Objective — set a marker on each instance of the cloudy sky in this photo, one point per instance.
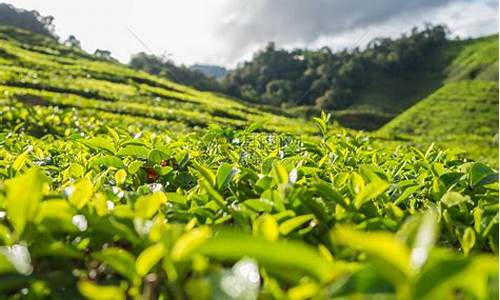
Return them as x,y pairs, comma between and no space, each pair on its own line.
226,32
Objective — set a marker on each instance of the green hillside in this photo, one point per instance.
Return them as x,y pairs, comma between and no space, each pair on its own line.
116,184
36,70
387,95
463,113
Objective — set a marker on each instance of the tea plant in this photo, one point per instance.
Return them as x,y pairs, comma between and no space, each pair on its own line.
110,213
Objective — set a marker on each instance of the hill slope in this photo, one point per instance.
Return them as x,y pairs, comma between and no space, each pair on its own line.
462,115
386,95
37,70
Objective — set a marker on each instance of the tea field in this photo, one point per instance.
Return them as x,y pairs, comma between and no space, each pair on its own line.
115,184
462,116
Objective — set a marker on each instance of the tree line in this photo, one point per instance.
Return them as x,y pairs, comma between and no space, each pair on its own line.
301,77
325,79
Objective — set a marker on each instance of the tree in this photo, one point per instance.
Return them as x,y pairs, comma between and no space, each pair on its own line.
73,42
28,20
165,67
103,54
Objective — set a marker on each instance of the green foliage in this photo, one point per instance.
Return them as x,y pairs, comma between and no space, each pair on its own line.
106,193
162,66
29,20
315,217
329,80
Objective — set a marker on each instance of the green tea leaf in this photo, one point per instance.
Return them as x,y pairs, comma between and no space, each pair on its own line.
224,175
189,243
99,143
100,292
134,151
454,198
147,206
468,240
24,194
80,193
120,260
149,258
481,174
280,173
120,176
294,223
371,191
389,254
275,255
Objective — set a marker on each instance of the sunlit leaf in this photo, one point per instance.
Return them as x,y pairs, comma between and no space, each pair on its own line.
24,194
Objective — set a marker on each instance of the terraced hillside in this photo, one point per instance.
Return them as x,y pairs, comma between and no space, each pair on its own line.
36,70
386,96
461,115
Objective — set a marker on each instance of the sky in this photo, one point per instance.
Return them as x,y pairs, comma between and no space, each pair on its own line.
227,32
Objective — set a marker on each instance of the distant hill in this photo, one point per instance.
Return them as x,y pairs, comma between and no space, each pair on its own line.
462,115
364,89
210,70
386,95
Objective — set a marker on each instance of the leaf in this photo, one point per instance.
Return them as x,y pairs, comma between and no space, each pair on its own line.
294,223
481,174
213,194
24,194
356,183
76,170
135,166
100,292
147,206
81,193
107,161
468,240
157,156
267,228
99,143
224,175
120,176
20,161
206,173
120,260
454,198
189,243
446,273
59,212
425,238
329,194
389,254
406,193
279,256
134,151
371,191
279,172
149,258
6,266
